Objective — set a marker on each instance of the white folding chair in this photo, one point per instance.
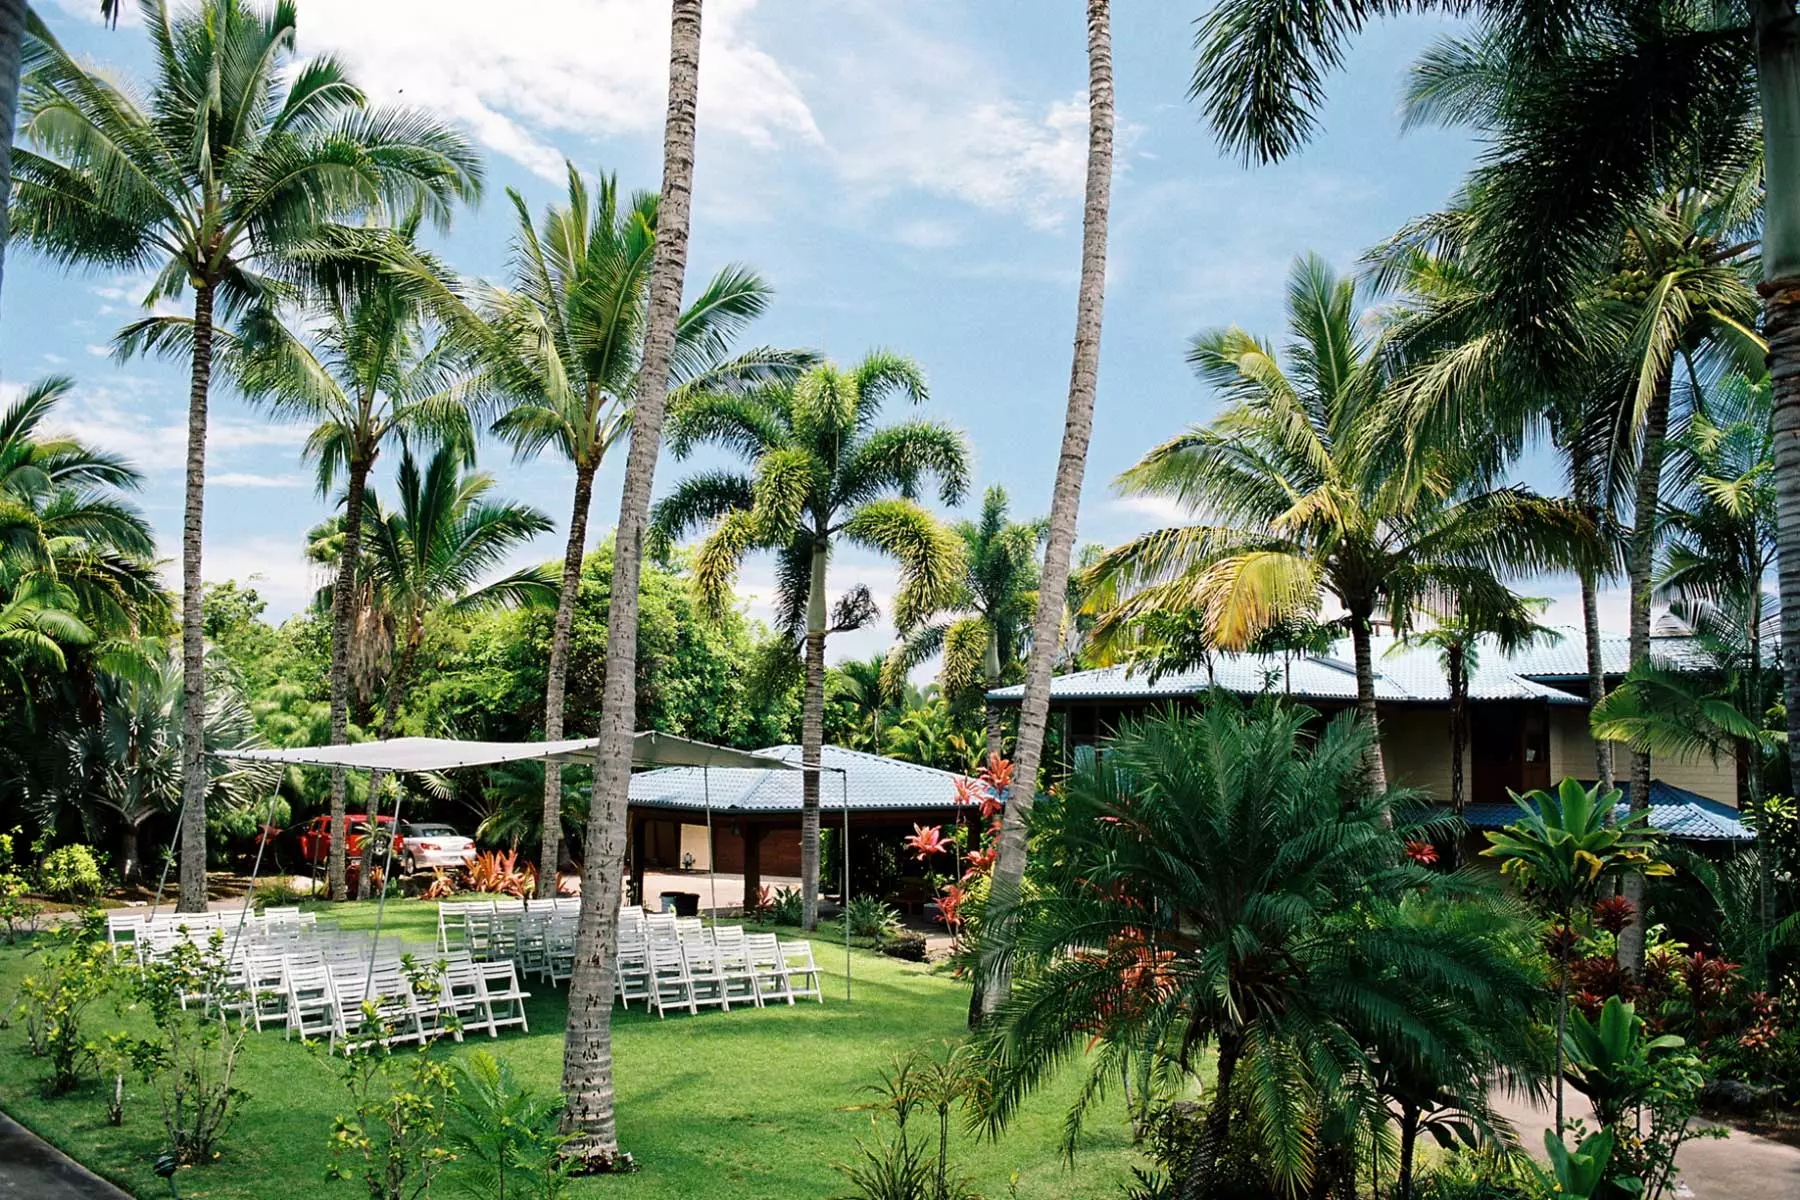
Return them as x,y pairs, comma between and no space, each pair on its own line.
265,979
802,971
706,976
768,967
505,999
311,1005
463,1003
734,965
669,984
631,973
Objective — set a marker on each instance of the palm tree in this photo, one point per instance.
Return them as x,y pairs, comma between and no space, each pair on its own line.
860,686
1071,467
1720,69
221,179
981,632
365,372
1459,637
1198,890
565,349
823,472
128,764
1308,502
587,1044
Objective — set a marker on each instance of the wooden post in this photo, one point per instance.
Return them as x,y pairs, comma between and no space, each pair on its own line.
637,857
753,837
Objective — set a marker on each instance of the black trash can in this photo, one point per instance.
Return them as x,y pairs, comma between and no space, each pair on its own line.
682,904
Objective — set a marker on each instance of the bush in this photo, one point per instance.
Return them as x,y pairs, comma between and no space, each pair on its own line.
278,891
16,912
504,1137
53,1001
70,873
871,917
391,1140
191,1058
787,908
904,944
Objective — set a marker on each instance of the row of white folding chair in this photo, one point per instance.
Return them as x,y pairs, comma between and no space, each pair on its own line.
321,1000
732,967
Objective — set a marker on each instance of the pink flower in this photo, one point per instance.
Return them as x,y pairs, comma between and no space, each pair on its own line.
929,841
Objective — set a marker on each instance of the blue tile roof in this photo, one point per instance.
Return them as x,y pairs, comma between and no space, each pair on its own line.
1676,811
1403,674
875,784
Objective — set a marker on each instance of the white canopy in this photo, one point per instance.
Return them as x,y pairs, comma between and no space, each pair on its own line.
648,749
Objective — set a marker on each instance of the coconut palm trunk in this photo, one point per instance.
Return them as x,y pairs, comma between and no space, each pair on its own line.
343,621
193,637
1590,615
812,740
1363,649
587,1052
1778,82
12,38
550,853
1065,501
1641,558
990,671
390,718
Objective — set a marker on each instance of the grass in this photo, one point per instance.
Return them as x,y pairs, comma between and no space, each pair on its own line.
733,1106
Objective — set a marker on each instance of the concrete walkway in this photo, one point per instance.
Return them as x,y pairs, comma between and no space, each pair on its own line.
1740,1167
33,1169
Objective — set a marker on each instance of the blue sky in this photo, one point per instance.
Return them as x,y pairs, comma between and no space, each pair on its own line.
905,175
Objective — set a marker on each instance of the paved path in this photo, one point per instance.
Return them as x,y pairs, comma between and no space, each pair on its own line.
1740,1167
33,1169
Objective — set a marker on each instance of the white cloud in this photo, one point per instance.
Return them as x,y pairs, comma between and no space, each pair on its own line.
116,418
99,351
1163,510
250,479
276,567
558,68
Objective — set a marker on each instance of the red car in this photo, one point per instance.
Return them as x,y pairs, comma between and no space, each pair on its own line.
315,837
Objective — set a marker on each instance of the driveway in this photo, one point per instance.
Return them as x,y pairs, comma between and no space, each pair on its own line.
32,1169
1740,1167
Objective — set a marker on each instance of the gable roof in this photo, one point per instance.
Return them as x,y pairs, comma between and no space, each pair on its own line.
873,783
1403,674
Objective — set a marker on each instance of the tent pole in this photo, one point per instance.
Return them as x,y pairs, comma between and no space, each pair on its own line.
169,859
255,870
844,783
387,867
712,882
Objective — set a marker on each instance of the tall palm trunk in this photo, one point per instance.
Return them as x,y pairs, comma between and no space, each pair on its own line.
343,619
1459,737
812,741
1363,648
1216,1134
12,36
193,637
1590,619
1071,465
550,853
990,673
1778,82
389,719
1640,558
587,1044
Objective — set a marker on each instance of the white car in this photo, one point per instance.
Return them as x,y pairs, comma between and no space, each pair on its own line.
424,846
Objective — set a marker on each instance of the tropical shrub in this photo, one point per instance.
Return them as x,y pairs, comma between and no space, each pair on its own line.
871,917
891,1164
787,907
392,1139
278,892
191,1060
70,873
504,1137
54,999
1225,880
17,912
499,873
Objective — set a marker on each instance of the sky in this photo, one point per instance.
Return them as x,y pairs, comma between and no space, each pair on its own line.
906,176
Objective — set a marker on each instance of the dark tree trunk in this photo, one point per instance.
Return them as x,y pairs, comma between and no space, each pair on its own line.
1409,1140
550,853
1202,1175
343,623
1590,619
1362,643
193,634
12,36
128,852
402,676
1640,559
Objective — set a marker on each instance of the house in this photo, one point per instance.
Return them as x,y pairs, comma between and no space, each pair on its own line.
1528,711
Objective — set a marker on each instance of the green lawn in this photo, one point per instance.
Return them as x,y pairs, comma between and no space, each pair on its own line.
727,1105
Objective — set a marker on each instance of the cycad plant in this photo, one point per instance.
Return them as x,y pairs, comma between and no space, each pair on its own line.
221,178
823,472
367,370
1301,496
1225,881
563,346
983,631
1563,849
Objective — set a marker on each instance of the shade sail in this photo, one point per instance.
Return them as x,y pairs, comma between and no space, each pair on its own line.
648,749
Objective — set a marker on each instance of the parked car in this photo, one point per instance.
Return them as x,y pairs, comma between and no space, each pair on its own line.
429,845
315,837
